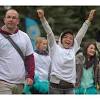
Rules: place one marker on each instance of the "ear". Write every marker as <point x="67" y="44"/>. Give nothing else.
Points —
<point x="18" y="21"/>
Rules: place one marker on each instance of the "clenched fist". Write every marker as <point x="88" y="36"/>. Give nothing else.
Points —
<point x="40" y="13"/>
<point x="91" y="15"/>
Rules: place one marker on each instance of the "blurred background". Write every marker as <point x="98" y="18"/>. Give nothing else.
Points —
<point x="59" y="18"/>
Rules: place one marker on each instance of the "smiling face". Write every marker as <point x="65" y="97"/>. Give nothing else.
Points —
<point x="67" y="40"/>
<point x="11" y="19"/>
<point x="91" y="50"/>
<point x="41" y="44"/>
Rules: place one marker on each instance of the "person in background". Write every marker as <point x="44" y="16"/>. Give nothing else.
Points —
<point x="63" y="66"/>
<point x="88" y="70"/>
<point x="13" y="73"/>
<point x="98" y="53"/>
<point x="98" y="43"/>
<point x="42" y="66"/>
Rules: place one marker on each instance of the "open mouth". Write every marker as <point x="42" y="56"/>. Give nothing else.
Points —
<point x="67" y="43"/>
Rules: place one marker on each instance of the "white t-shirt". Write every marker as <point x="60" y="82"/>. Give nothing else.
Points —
<point x="63" y="63"/>
<point x="42" y="65"/>
<point x="12" y="67"/>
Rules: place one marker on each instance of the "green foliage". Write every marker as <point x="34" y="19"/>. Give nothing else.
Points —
<point x="61" y="17"/>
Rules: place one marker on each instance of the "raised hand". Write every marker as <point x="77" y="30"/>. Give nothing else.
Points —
<point x="91" y="15"/>
<point x="40" y="13"/>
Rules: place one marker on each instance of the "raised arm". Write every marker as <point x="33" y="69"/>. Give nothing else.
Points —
<point x="46" y="26"/>
<point x="84" y="27"/>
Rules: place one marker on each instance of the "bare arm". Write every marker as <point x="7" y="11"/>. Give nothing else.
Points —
<point x="84" y="27"/>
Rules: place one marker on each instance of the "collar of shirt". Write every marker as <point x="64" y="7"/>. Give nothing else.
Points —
<point x="41" y="52"/>
<point x="7" y="33"/>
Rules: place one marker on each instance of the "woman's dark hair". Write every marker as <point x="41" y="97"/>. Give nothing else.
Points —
<point x="86" y="45"/>
<point x="93" y="59"/>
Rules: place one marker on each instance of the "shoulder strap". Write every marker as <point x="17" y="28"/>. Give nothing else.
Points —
<point x="14" y="45"/>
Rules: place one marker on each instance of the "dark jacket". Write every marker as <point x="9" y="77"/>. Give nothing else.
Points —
<point x="80" y="60"/>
